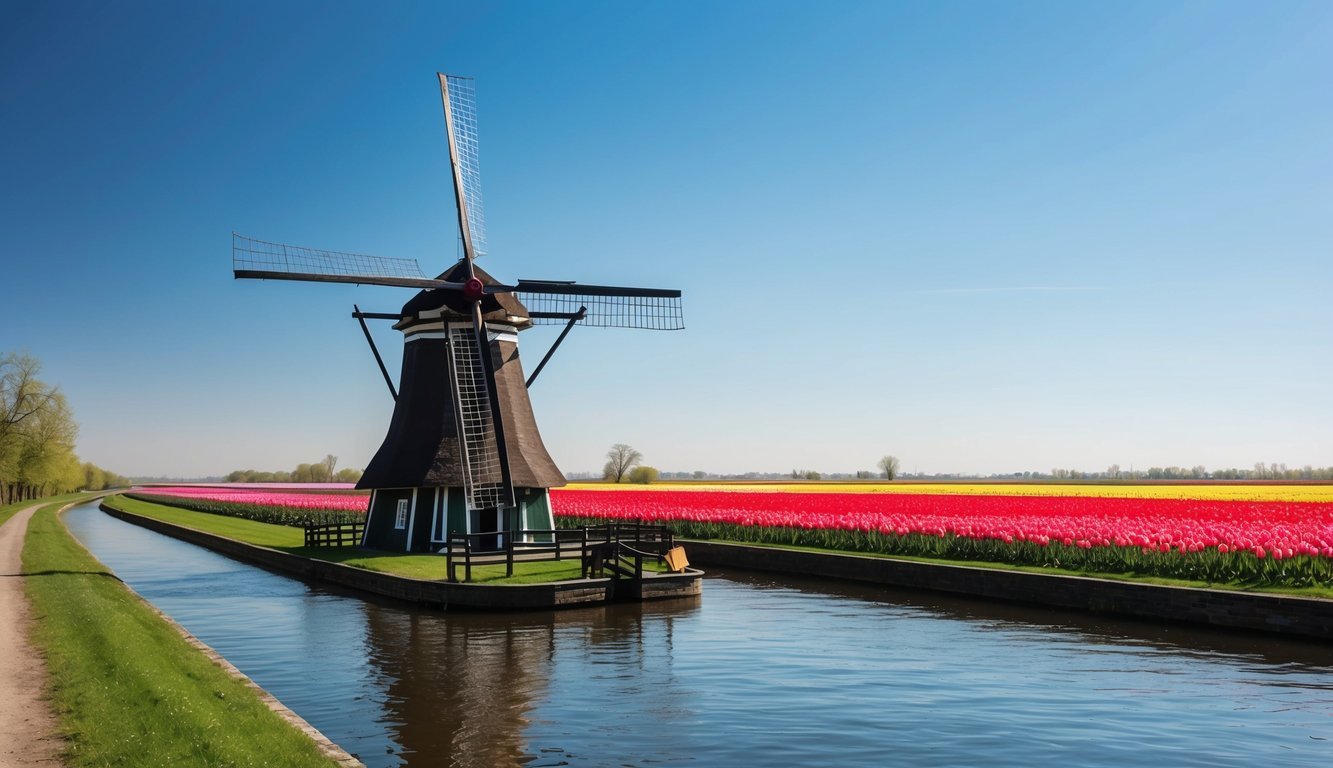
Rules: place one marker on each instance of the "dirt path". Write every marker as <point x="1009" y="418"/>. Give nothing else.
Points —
<point x="27" y="726"/>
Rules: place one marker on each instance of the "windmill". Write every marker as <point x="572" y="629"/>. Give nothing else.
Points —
<point x="462" y="453"/>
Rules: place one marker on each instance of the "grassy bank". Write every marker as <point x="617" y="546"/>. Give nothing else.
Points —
<point x="127" y="687"/>
<point x="9" y="510"/>
<point x="289" y="539"/>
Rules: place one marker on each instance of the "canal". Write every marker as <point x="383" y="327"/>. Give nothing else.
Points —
<point x="759" y="671"/>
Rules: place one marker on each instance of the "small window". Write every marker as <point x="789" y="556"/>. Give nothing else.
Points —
<point x="400" y="521"/>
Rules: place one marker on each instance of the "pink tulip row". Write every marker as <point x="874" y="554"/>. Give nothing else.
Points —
<point x="343" y="502"/>
<point x="1266" y="529"/>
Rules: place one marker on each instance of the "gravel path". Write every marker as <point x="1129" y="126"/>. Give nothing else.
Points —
<point x="28" y="735"/>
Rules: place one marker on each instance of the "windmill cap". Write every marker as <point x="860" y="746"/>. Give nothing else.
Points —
<point x="495" y="307"/>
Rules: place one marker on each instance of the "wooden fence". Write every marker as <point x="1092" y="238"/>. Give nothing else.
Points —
<point x="334" y="534"/>
<point x="598" y="547"/>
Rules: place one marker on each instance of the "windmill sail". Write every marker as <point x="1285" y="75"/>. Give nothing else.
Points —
<point x="607" y="306"/>
<point x="483" y="474"/>
<point x="263" y="260"/>
<point x="460" y="118"/>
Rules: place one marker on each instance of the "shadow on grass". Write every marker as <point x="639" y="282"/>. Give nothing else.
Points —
<point x="343" y="554"/>
<point x="62" y="573"/>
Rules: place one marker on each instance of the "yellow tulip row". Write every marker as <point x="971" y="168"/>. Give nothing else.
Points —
<point x="1203" y="491"/>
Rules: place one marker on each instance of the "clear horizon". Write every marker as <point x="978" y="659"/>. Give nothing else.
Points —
<point x="984" y="238"/>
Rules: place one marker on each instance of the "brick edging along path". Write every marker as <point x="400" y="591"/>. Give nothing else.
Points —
<point x="1282" y="614"/>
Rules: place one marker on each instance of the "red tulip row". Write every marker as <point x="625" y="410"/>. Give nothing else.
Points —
<point x="1280" y="542"/>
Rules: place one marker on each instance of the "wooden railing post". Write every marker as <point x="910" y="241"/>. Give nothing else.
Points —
<point x="467" y="559"/>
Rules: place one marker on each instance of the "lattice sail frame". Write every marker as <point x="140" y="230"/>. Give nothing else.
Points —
<point x="483" y="478"/>
<point x="657" y="313"/>
<point x="248" y="254"/>
<point x="462" y="127"/>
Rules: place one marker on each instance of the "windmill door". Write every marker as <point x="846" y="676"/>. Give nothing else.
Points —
<point x="486" y="521"/>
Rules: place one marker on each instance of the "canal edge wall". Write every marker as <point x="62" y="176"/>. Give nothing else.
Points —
<point x="1281" y="614"/>
<point x="323" y="743"/>
<point x="438" y="594"/>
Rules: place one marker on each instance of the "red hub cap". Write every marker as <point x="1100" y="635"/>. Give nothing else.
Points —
<point x="473" y="290"/>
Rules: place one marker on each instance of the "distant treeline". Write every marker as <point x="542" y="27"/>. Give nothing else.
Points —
<point x="325" y="471"/>
<point x="1278" y="472"/>
<point x="37" y="433"/>
<point x="1260" y="471"/>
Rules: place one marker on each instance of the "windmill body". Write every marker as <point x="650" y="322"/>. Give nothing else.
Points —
<point x="462" y="454"/>
<point x="422" y="466"/>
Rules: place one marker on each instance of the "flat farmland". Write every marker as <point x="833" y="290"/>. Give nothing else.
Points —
<point x="1241" y="535"/>
<point x="1238" y="535"/>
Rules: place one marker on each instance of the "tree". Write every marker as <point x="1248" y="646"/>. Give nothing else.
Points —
<point x="348" y="475"/>
<point x="22" y="396"/>
<point x="47" y="450"/>
<point x="94" y="479"/>
<point x="644" y="475"/>
<point x="330" y="464"/>
<point x="889" y="466"/>
<point x="619" y="461"/>
<point x="37" y="432"/>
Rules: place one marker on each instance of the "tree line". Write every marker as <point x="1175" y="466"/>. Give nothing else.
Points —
<point x="37" y="434"/>
<point x="323" y="471"/>
<point x="888" y="470"/>
<point x="1260" y="471"/>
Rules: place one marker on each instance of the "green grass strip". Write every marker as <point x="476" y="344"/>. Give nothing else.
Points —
<point x="128" y="689"/>
<point x="289" y="539"/>
<point x="9" y="510"/>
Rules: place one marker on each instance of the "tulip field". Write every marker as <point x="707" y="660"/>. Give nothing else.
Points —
<point x="265" y="505"/>
<point x="1265" y="535"/>
<point x="1253" y="535"/>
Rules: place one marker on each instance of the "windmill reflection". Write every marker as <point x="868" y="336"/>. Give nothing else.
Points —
<point x="463" y="689"/>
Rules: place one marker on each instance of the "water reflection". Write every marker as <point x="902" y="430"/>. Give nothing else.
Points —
<point x="759" y="670"/>
<point x="463" y="687"/>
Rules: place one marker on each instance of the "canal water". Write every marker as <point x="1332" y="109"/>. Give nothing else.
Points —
<point x="759" y="671"/>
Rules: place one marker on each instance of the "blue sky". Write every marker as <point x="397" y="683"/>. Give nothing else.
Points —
<point x="984" y="237"/>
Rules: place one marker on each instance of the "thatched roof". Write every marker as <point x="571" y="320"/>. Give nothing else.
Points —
<point x="422" y="446"/>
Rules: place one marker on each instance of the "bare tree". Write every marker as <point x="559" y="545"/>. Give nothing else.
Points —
<point x="330" y="463"/>
<point x="619" y="461"/>
<point x="889" y="466"/>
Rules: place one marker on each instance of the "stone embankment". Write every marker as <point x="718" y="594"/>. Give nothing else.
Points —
<point x="1266" y="612"/>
